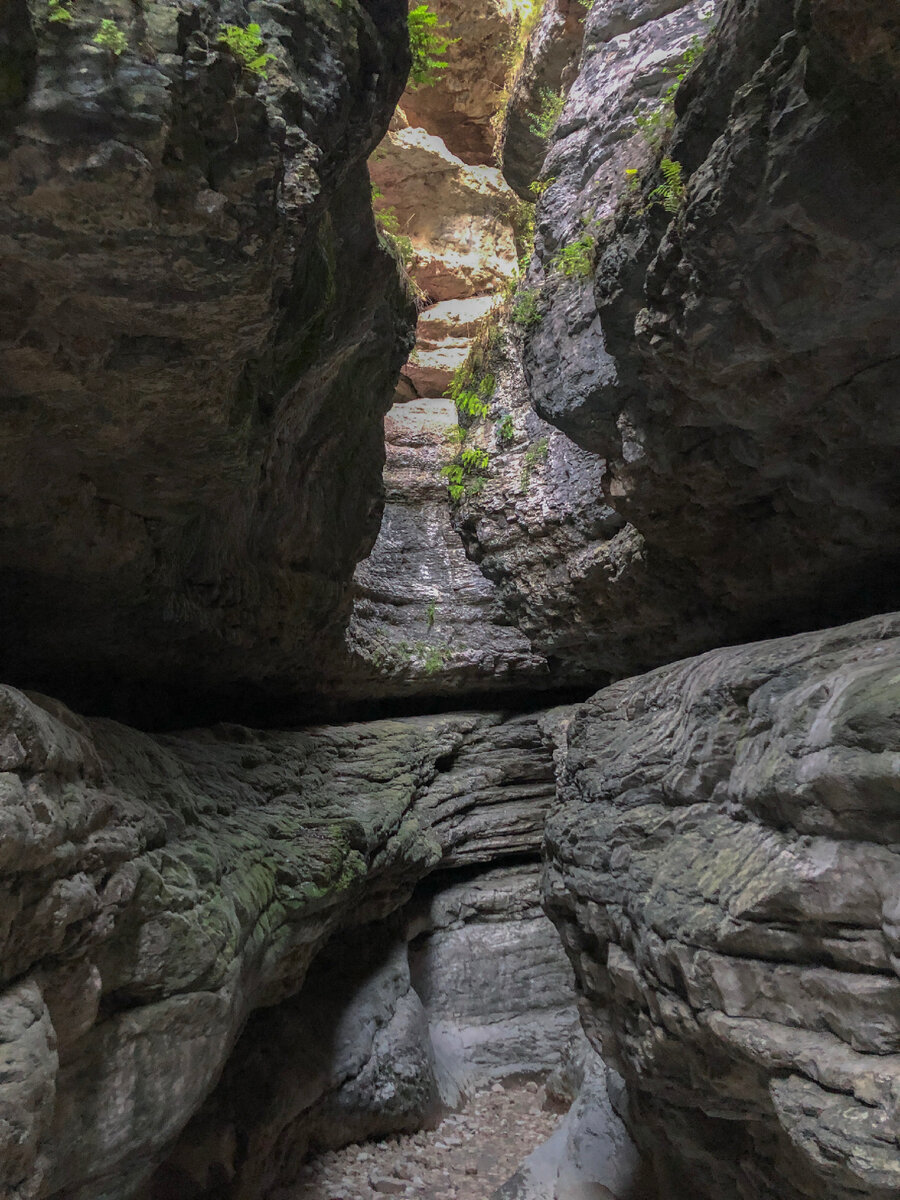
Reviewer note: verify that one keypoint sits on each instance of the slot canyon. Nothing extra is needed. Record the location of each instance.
(449, 573)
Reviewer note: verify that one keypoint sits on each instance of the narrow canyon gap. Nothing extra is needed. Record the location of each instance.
(449, 545)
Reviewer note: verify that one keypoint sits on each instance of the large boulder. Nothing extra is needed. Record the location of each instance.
(723, 868)
(201, 334)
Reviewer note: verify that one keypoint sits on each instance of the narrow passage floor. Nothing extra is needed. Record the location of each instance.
(467, 1157)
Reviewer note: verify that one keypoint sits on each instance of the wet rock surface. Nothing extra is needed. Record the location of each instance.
(723, 869)
(189, 377)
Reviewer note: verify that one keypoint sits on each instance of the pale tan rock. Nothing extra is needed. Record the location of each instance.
(456, 216)
(463, 99)
(443, 339)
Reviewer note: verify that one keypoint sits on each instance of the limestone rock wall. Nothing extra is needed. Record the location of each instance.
(155, 891)
(200, 336)
(549, 65)
(723, 869)
(426, 621)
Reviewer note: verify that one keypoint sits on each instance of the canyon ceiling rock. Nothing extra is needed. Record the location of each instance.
(723, 869)
(189, 378)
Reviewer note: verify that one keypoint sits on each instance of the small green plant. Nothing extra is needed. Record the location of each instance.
(435, 657)
(455, 434)
(525, 312)
(463, 474)
(632, 181)
(430, 610)
(111, 38)
(247, 46)
(576, 260)
(427, 44)
(474, 459)
(471, 396)
(538, 188)
(506, 430)
(670, 193)
(57, 12)
(536, 453)
(656, 123)
(549, 112)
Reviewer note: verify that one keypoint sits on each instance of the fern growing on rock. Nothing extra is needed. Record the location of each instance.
(670, 193)
(427, 44)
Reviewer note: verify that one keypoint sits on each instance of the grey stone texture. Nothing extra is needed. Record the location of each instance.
(549, 65)
(723, 868)
(426, 621)
(156, 890)
(590, 1155)
(496, 984)
(732, 361)
(201, 333)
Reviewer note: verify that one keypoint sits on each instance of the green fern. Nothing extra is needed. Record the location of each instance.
(544, 120)
(110, 37)
(246, 45)
(576, 260)
(428, 45)
(525, 311)
(57, 12)
(670, 193)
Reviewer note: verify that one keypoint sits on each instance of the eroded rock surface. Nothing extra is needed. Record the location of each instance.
(200, 337)
(723, 868)
(156, 890)
(496, 986)
(425, 620)
(730, 360)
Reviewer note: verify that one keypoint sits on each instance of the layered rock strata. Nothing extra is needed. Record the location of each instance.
(200, 337)
(723, 869)
(426, 621)
(157, 890)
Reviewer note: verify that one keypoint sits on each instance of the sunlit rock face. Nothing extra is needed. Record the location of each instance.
(452, 212)
(723, 869)
(461, 107)
(201, 335)
(443, 337)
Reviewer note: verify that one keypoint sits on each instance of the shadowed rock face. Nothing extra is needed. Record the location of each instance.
(426, 621)
(550, 64)
(723, 869)
(733, 362)
(157, 890)
(200, 336)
